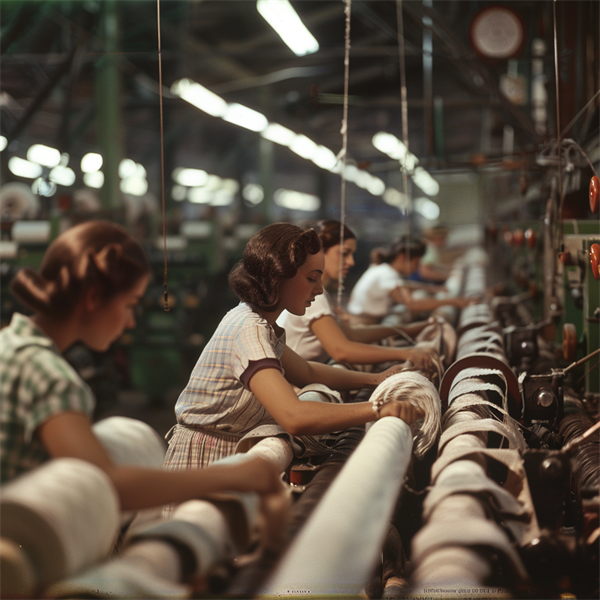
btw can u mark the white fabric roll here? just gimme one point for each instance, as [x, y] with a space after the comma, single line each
[64, 514]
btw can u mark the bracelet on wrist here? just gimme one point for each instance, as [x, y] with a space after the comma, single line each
[376, 405]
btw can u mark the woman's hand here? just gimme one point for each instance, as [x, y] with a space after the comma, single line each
[256, 475]
[421, 358]
[402, 409]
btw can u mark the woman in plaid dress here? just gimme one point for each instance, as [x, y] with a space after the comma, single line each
[246, 376]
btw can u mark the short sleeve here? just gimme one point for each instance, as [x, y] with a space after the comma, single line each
[254, 342]
[49, 386]
[389, 280]
[321, 307]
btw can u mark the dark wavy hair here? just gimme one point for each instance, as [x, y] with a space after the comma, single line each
[414, 247]
[272, 255]
[95, 253]
[329, 231]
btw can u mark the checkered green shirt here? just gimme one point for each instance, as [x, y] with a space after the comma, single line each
[36, 383]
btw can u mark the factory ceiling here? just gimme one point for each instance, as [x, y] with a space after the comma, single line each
[459, 101]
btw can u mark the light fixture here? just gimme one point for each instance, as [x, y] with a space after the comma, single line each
[296, 200]
[94, 180]
[3, 143]
[199, 195]
[136, 186]
[43, 187]
[200, 97]
[253, 194]
[425, 181]
[282, 17]
[303, 146]
[62, 176]
[44, 155]
[190, 177]
[127, 168]
[324, 158]
[427, 208]
[243, 116]
[279, 134]
[91, 162]
[24, 168]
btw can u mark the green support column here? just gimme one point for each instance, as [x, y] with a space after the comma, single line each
[108, 107]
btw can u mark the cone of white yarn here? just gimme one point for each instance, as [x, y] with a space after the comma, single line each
[418, 390]
[63, 514]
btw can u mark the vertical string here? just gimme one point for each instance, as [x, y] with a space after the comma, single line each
[162, 160]
[344, 132]
[404, 108]
[558, 129]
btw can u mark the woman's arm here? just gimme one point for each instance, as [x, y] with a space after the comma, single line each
[300, 372]
[300, 417]
[70, 434]
[374, 333]
[342, 349]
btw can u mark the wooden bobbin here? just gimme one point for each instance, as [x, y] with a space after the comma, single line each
[569, 342]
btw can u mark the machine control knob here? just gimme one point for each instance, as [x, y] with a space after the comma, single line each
[569, 342]
[595, 259]
[544, 398]
[594, 191]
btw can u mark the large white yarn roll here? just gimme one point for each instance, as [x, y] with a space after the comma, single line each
[131, 442]
[64, 514]
[419, 391]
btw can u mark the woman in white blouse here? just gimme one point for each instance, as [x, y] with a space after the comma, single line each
[320, 335]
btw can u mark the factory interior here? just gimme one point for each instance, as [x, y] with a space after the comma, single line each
[471, 127]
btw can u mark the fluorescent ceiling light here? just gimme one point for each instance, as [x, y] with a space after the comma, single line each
[200, 195]
[324, 158]
[136, 186]
[127, 168]
[394, 197]
[222, 198]
[91, 162]
[425, 181]
[282, 17]
[44, 155]
[279, 134]
[296, 200]
[3, 143]
[245, 117]
[190, 177]
[200, 97]
[376, 186]
[94, 180]
[389, 144]
[213, 182]
[231, 185]
[62, 176]
[253, 193]
[428, 208]
[303, 146]
[24, 168]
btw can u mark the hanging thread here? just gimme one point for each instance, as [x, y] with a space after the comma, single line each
[344, 132]
[162, 162]
[558, 129]
[404, 110]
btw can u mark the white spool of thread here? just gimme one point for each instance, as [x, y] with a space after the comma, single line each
[131, 442]
[64, 514]
[31, 232]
